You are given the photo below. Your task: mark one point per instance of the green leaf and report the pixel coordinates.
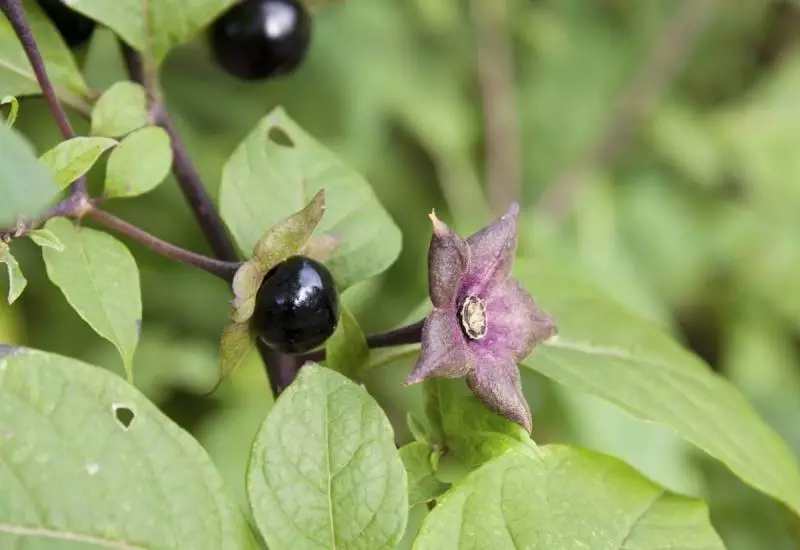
(45, 238)
(604, 350)
(16, 75)
(139, 164)
(471, 432)
(154, 26)
(324, 471)
(234, 347)
(72, 158)
(346, 350)
(566, 499)
(266, 178)
(16, 280)
(88, 461)
(100, 280)
(120, 110)
(26, 185)
(13, 108)
(422, 483)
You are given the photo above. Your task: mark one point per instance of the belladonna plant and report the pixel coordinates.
(483, 322)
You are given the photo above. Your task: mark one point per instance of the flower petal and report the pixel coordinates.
(515, 322)
(492, 252)
(496, 382)
(448, 257)
(444, 350)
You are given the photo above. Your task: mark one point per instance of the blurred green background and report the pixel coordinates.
(693, 224)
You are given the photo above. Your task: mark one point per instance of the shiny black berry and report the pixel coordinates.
(256, 39)
(297, 306)
(74, 27)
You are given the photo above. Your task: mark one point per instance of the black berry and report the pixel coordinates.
(297, 306)
(75, 28)
(256, 39)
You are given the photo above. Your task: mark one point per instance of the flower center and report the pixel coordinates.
(473, 317)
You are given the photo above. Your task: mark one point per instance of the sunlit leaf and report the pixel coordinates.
(72, 158)
(139, 164)
(120, 110)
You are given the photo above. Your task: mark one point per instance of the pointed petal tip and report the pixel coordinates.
(440, 228)
(513, 210)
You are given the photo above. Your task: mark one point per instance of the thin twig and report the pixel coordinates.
(495, 72)
(223, 270)
(409, 334)
(658, 70)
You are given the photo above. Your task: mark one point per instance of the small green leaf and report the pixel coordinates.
(346, 350)
(472, 433)
(139, 164)
(423, 485)
(13, 104)
(16, 75)
(16, 280)
(89, 462)
(265, 179)
(154, 26)
(26, 186)
(233, 348)
(120, 110)
(72, 158)
(46, 238)
(604, 350)
(324, 471)
(565, 499)
(100, 280)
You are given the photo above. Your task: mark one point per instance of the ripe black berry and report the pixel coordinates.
(74, 27)
(297, 306)
(257, 39)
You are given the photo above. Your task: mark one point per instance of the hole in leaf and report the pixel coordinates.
(123, 415)
(278, 135)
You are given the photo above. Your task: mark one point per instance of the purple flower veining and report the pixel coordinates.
(483, 322)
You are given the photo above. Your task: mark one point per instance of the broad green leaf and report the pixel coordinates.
(26, 185)
(89, 462)
(566, 499)
(154, 26)
(139, 164)
(604, 350)
(45, 238)
(324, 471)
(100, 280)
(16, 280)
(346, 350)
(13, 108)
(72, 158)
(423, 485)
(120, 110)
(277, 169)
(471, 432)
(16, 75)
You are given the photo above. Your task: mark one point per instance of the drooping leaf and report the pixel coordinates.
(346, 351)
(153, 26)
(266, 178)
(90, 462)
(16, 280)
(46, 238)
(26, 185)
(324, 471)
(233, 347)
(567, 499)
(120, 110)
(604, 350)
(16, 75)
(423, 485)
(139, 164)
(13, 108)
(100, 280)
(72, 158)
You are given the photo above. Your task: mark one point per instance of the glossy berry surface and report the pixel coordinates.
(257, 39)
(75, 28)
(297, 306)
